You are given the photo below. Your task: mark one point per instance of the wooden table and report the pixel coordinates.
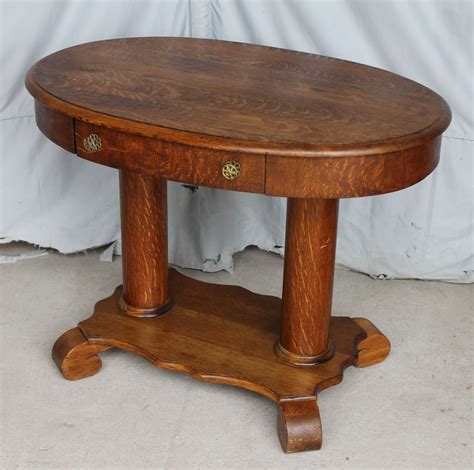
(244, 118)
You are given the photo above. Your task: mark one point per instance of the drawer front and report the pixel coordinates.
(173, 161)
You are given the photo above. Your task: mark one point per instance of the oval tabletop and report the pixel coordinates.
(299, 124)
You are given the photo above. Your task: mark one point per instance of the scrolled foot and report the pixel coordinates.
(374, 348)
(299, 425)
(75, 357)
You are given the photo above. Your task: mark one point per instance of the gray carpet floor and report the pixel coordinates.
(412, 411)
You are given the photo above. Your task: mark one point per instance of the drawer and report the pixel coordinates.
(173, 161)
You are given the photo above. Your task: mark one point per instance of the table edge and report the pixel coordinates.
(218, 143)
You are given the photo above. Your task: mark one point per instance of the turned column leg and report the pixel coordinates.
(311, 231)
(144, 244)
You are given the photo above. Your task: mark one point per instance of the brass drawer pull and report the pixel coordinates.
(92, 143)
(231, 170)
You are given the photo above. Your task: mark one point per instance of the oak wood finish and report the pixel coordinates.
(344, 177)
(311, 232)
(303, 117)
(58, 127)
(299, 425)
(222, 334)
(75, 356)
(143, 205)
(310, 128)
(174, 162)
(374, 348)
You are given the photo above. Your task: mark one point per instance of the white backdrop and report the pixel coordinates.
(54, 199)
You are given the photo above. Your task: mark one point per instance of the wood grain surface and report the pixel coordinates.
(58, 127)
(308, 127)
(143, 204)
(248, 95)
(176, 162)
(349, 176)
(310, 250)
(299, 425)
(223, 334)
(187, 104)
(374, 348)
(75, 356)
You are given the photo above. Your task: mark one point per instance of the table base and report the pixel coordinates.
(225, 334)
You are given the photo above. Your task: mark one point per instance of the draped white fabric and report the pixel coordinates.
(55, 199)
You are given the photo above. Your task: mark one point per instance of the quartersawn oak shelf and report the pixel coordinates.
(224, 334)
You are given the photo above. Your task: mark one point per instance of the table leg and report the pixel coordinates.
(209, 323)
(311, 231)
(144, 245)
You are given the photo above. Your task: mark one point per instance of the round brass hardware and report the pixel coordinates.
(231, 170)
(92, 143)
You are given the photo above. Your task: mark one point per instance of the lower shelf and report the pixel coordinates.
(224, 334)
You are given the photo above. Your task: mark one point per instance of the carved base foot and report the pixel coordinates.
(75, 357)
(374, 348)
(299, 425)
